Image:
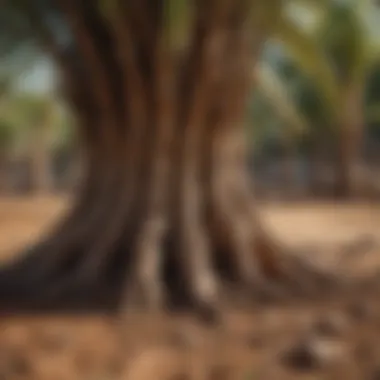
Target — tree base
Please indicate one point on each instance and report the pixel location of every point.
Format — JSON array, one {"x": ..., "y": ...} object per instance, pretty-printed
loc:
[{"x": 38, "y": 284}]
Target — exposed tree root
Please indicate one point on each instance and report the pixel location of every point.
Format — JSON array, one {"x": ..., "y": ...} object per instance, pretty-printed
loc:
[{"x": 83, "y": 284}]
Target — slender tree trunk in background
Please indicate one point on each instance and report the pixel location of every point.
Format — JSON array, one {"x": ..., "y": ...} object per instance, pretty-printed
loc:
[
  {"x": 289, "y": 166},
  {"x": 73, "y": 171},
  {"x": 165, "y": 212},
  {"x": 316, "y": 185},
  {"x": 350, "y": 139},
  {"x": 40, "y": 162},
  {"x": 319, "y": 184},
  {"x": 4, "y": 178}
]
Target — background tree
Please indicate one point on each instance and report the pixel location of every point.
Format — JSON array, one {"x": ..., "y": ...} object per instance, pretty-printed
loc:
[
  {"x": 336, "y": 57},
  {"x": 7, "y": 134},
  {"x": 6, "y": 143},
  {"x": 37, "y": 116},
  {"x": 34, "y": 124},
  {"x": 290, "y": 124}
]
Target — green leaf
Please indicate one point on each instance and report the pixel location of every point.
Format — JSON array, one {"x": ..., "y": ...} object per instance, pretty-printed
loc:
[
  {"x": 373, "y": 58},
  {"x": 108, "y": 7},
  {"x": 265, "y": 14},
  {"x": 344, "y": 38},
  {"x": 178, "y": 18},
  {"x": 305, "y": 50},
  {"x": 373, "y": 113}
]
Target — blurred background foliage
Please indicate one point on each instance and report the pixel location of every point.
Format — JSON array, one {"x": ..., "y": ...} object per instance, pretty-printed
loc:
[{"x": 313, "y": 116}]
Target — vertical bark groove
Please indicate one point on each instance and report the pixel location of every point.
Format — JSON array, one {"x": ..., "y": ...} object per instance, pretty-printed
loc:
[
  {"x": 150, "y": 241},
  {"x": 196, "y": 246}
]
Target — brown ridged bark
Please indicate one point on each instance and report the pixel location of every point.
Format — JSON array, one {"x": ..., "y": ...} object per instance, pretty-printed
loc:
[{"x": 166, "y": 208}]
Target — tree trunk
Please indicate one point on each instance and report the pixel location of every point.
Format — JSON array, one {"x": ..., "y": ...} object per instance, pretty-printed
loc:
[
  {"x": 166, "y": 211},
  {"x": 320, "y": 179},
  {"x": 350, "y": 138},
  {"x": 289, "y": 166},
  {"x": 4, "y": 177},
  {"x": 40, "y": 162}
]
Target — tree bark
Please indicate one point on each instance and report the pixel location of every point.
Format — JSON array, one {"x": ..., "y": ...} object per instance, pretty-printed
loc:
[{"x": 166, "y": 211}]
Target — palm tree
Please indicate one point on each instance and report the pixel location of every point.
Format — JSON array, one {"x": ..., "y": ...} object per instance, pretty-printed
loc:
[
  {"x": 292, "y": 123},
  {"x": 337, "y": 57},
  {"x": 160, "y": 90}
]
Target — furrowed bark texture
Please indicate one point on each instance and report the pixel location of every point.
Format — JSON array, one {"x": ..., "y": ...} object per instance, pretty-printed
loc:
[{"x": 165, "y": 212}]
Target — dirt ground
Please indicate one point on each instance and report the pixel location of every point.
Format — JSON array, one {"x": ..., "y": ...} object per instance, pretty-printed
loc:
[{"x": 330, "y": 340}]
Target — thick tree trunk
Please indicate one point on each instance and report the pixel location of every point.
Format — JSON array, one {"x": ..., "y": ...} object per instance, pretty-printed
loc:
[{"x": 166, "y": 211}]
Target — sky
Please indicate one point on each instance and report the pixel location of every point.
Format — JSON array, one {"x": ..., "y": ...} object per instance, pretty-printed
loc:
[{"x": 41, "y": 78}]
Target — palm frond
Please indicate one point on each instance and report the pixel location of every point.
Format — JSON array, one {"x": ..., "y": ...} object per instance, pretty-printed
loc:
[
  {"x": 272, "y": 87},
  {"x": 304, "y": 49},
  {"x": 344, "y": 37}
]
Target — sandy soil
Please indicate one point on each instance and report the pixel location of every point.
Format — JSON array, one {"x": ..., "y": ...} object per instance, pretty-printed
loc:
[{"x": 335, "y": 340}]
